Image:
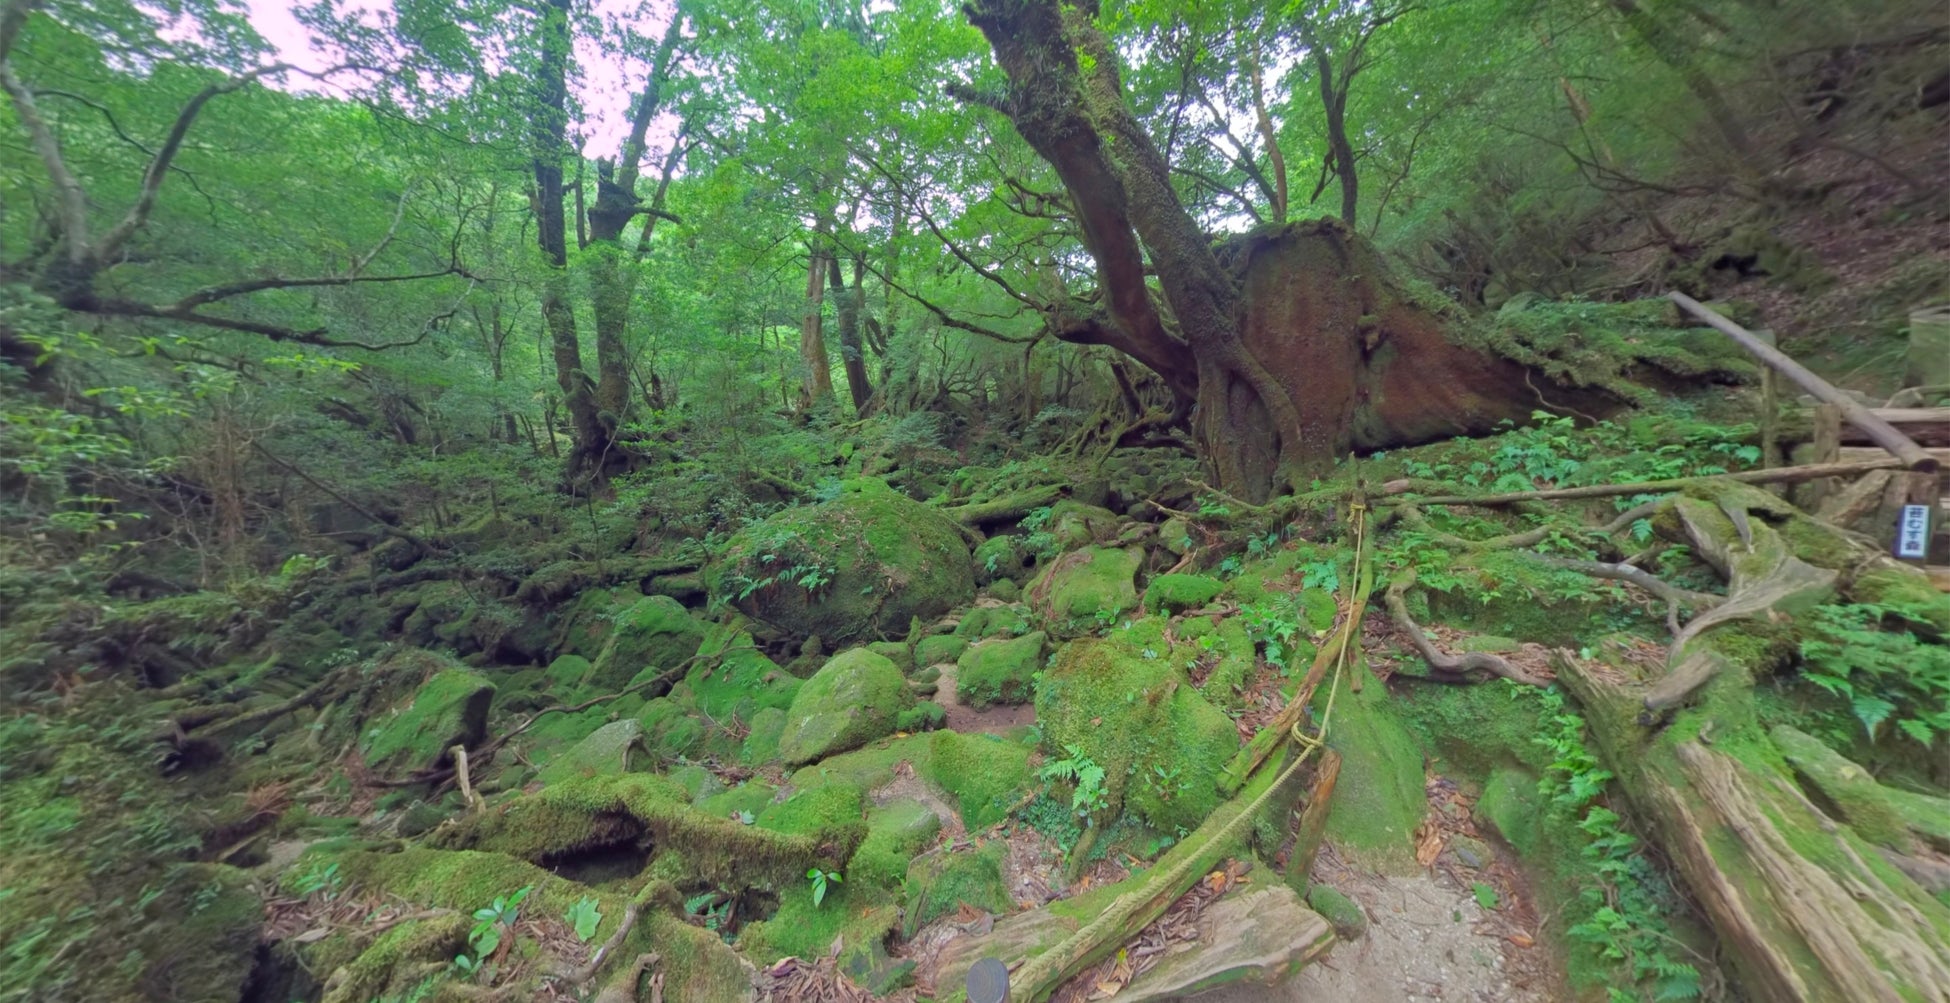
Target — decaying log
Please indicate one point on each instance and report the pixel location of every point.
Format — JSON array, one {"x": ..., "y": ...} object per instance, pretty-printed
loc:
[
  {"x": 1778, "y": 475},
  {"x": 1807, "y": 909}
]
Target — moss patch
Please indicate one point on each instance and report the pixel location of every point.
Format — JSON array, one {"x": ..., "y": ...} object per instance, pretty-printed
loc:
[
  {"x": 451, "y": 709},
  {"x": 855, "y": 698},
  {"x": 940, "y": 883},
  {"x": 984, "y": 773},
  {"x": 1179, "y": 593},
  {"x": 1379, "y": 800},
  {"x": 999, "y": 672},
  {"x": 1126, "y": 703},
  {"x": 1083, "y": 586},
  {"x": 861, "y": 565}
]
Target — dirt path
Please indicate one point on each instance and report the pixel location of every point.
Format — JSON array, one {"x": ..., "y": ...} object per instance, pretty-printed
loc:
[{"x": 1427, "y": 940}]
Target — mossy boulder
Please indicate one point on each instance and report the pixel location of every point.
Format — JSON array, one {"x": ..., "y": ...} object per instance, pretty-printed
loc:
[
  {"x": 939, "y": 648},
  {"x": 622, "y": 632},
  {"x": 859, "y": 566},
  {"x": 450, "y": 709},
  {"x": 762, "y": 740},
  {"x": 1084, "y": 587},
  {"x": 852, "y": 700},
  {"x": 736, "y": 680},
  {"x": 999, "y": 671},
  {"x": 999, "y": 557},
  {"x": 1179, "y": 593},
  {"x": 924, "y": 716},
  {"x": 940, "y": 883},
  {"x": 613, "y": 748},
  {"x": 1126, "y": 703},
  {"x": 985, "y": 774},
  {"x": 1073, "y": 524}
]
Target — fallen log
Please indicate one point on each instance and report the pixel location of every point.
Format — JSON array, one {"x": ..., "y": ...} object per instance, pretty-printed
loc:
[
  {"x": 1806, "y": 907},
  {"x": 1778, "y": 475}
]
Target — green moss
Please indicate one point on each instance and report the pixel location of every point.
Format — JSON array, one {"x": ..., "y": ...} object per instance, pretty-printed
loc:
[
  {"x": 1475, "y": 729},
  {"x": 815, "y": 810},
  {"x": 762, "y": 742},
  {"x": 392, "y": 966},
  {"x": 752, "y": 796},
  {"x": 924, "y": 716},
  {"x": 739, "y": 681},
  {"x": 939, "y": 648},
  {"x": 870, "y": 767},
  {"x": 938, "y": 884},
  {"x": 1350, "y": 922},
  {"x": 896, "y": 832},
  {"x": 998, "y": 557},
  {"x": 1079, "y": 587},
  {"x": 1511, "y": 807},
  {"x": 1379, "y": 800},
  {"x": 586, "y": 814},
  {"x": 1179, "y": 593},
  {"x": 985, "y": 774},
  {"x": 1126, "y": 703},
  {"x": 875, "y": 558},
  {"x": 999, "y": 672},
  {"x": 451, "y": 709},
  {"x": 616, "y": 747},
  {"x": 854, "y": 699},
  {"x": 896, "y": 652},
  {"x": 1580, "y": 343}
]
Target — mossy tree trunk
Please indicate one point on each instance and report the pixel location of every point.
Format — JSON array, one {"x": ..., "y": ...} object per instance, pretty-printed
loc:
[
  {"x": 1292, "y": 348},
  {"x": 1808, "y": 904}
]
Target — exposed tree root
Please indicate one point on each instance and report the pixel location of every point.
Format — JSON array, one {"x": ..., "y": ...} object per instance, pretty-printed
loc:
[
  {"x": 1447, "y": 668},
  {"x": 1777, "y": 475}
]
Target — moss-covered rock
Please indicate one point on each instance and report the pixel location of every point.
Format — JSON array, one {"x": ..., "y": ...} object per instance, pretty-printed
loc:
[
  {"x": 984, "y": 773},
  {"x": 450, "y": 709},
  {"x": 861, "y": 565},
  {"x": 1179, "y": 593},
  {"x": 1126, "y": 703},
  {"x": 999, "y": 671},
  {"x": 939, "y": 648},
  {"x": 762, "y": 741},
  {"x": 999, "y": 558},
  {"x": 582, "y": 815},
  {"x": 1380, "y": 799},
  {"x": 1083, "y": 587},
  {"x": 1074, "y": 524},
  {"x": 736, "y": 681},
  {"x": 924, "y": 716},
  {"x": 896, "y": 652},
  {"x": 855, "y": 698},
  {"x": 616, "y": 747},
  {"x": 940, "y": 883},
  {"x": 1233, "y": 658},
  {"x": 1005, "y": 590},
  {"x": 623, "y": 632}
]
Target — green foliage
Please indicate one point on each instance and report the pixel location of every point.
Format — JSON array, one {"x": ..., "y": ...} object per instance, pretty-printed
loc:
[
  {"x": 1622, "y": 913},
  {"x": 820, "y": 880},
  {"x": 1082, "y": 771},
  {"x": 584, "y": 917},
  {"x": 1870, "y": 658}
]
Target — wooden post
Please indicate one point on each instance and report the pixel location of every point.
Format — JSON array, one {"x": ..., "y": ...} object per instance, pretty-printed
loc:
[
  {"x": 1828, "y": 449},
  {"x": 1770, "y": 407},
  {"x": 1879, "y": 431}
]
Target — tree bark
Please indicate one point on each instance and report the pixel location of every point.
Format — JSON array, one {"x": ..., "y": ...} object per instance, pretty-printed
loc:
[
  {"x": 1803, "y": 901},
  {"x": 1296, "y": 348},
  {"x": 847, "y": 302},
  {"x": 550, "y": 139},
  {"x": 812, "y": 339}
]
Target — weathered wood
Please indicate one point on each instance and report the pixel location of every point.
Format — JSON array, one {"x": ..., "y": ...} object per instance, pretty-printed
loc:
[
  {"x": 1312, "y": 830},
  {"x": 1857, "y": 501},
  {"x": 1827, "y": 449},
  {"x": 1779, "y": 475},
  {"x": 1878, "y": 430},
  {"x": 1794, "y": 898},
  {"x": 1927, "y": 426}
]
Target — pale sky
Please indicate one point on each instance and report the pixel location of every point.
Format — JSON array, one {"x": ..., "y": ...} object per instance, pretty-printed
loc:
[{"x": 604, "y": 92}]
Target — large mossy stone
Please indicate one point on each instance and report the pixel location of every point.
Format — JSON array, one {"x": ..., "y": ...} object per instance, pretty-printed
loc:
[
  {"x": 852, "y": 700},
  {"x": 1084, "y": 587},
  {"x": 450, "y": 709},
  {"x": 613, "y": 748},
  {"x": 862, "y": 565},
  {"x": 623, "y": 632},
  {"x": 938, "y": 649},
  {"x": 737, "y": 680},
  {"x": 1178, "y": 593},
  {"x": 986, "y": 774},
  {"x": 1125, "y": 703},
  {"x": 999, "y": 672}
]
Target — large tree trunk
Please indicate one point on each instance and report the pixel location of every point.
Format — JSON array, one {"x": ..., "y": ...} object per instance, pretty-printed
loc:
[
  {"x": 550, "y": 137},
  {"x": 1811, "y": 901},
  {"x": 812, "y": 338},
  {"x": 1291, "y": 352},
  {"x": 847, "y": 303}
]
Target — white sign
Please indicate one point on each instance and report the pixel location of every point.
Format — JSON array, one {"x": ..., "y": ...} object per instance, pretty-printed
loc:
[{"x": 1913, "y": 532}]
